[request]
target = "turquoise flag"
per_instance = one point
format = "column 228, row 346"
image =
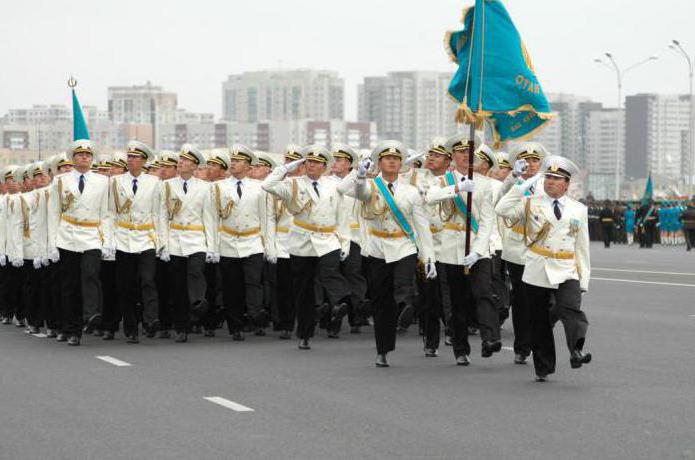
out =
column 648, row 191
column 79, row 124
column 495, row 80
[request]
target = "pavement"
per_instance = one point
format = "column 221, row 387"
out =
column 635, row 400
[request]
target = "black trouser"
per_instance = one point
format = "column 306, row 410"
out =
column 213, row 278
column 135, row 274
column 521, row 314
column 689, row 237
column 242, row 291
column 304, row 272
column 647, row 234
column 53, row 299
column 607, row 230
column 32, row 284
column 112, row 309
column 472, row 295
column 162, row 279
column 13, row 292
column 499, row 286
column 284, row 295
column 549, row 306
column 384, row 279
column 189, row 287
column 80, row 288
column 351, row 269
column 432, row 313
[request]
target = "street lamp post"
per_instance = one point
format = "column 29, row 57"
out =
column 620, row 75
column 676, row 46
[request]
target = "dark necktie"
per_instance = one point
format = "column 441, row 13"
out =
column 390, row 187
column 238, row 188
column 556, row 209
column 135, row 186
column 531, row 189
column 80, row 186
column 185, row 186
column 316, row 189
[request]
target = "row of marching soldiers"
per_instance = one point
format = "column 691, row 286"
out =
column 185, row 241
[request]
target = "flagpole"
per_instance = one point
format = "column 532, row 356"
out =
column 469, row 195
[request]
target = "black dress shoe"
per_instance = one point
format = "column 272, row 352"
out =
column 109, row 335
column 285, row 335
column 333, row 333
column 519, row 359
column 447, row 340
column 355, row 330
column 181, row 337
column 381, row 361
column 132, row 339
column 6, row 320
column 577, row 358
column 209, row 333
column 431, row 352
column 339, row 312
column 541, row 378
column 165, row 334
column 304, row 344
column 20, row 323
column 73, row 341
column 34, row 330
column 94, row 322
column 51, row 333
column 489, row 347
column 98, row 333
column 463, row 360
column 238, row 336
column 61, row 337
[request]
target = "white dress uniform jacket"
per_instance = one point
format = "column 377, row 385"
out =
column 34, row 214
column 77, row 221
column 385, row 238
column 319, row 223
column 558, row 250
column 14, row 246
column 454, row 222
column 187, row 221
column 246, row 225
column 137, row 224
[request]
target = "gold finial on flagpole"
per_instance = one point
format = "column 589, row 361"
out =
column 72, row 82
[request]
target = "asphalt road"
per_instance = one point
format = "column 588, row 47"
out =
column 635, row 400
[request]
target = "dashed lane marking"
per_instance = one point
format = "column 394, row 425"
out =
column 642, row 271
column 114, row 361
column 236, row 407
column 643, row 282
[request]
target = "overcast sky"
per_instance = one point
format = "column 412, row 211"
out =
column 191, row 46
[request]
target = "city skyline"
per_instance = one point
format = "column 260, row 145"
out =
column 366, row 39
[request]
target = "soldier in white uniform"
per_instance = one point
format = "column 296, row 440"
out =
column 319, row 237
column 80, row 232
column 557, row 267
column 243, row 215
column 4, row 318
column 135, row 203
column 526, row 159
column 469, row 275
column 189, row 238
column 13, row 247
column 398, row 230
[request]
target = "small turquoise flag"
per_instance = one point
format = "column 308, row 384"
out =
column 495, row 80
column 79, row 124
column 648, row 191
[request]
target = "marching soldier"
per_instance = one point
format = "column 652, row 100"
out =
column 607, row 223
column 243, row 216
column 499, row 269
column 398, row 229
column 188, row 238
column 135, row 204
column 318, row 240
column 13, row 247
column 79, row 234
column 557, row 265
column 469, row 275
column 3, row 257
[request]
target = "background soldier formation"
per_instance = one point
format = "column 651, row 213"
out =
column 187, row 242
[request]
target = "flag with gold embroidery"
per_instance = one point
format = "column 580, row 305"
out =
column 495, row 81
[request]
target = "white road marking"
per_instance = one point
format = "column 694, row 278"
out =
column 114, row 361
column 642, row 271
column 508, row 348
column 643, row 282
column 692, row 316
column 236, row 407
column 40, row 335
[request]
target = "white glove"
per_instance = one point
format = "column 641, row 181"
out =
column 215, row 258
column 45, row 261
column 18, row 263
column 414, row 158
column 209, row 257
column 467, row 185
column 520, row 167
column 54, row 255
column 344, row 255
column 108, row 253
column 363, row 168
column 292, row 166
column 430, row 271
column 530, row 182
column 271, row 259
column 164, row 255
column 3, row 260
column 37, row 263
column 471, row 259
